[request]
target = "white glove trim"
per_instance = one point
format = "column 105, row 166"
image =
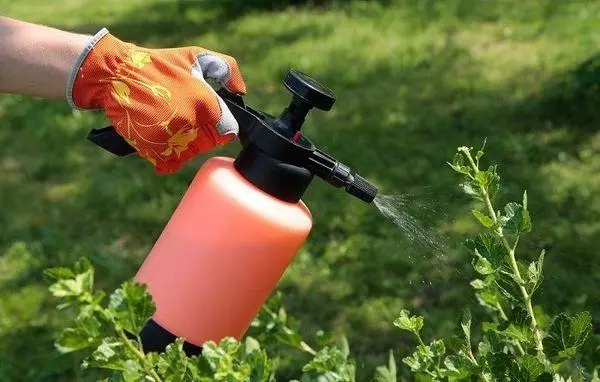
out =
column 75, row 69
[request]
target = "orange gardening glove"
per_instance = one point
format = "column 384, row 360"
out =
column 158, row 99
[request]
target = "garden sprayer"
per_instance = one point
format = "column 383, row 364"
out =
column 240, row 222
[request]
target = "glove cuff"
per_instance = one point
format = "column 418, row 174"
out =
column 96, row 63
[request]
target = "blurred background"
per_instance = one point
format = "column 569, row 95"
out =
column 414, row 80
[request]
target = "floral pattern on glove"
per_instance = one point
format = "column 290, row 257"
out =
column 156, row 100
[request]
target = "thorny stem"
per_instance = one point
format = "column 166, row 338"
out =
column 511, row 254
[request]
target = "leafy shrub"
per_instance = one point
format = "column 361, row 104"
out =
column 514, row 345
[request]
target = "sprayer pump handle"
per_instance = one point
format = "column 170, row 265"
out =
column 309, row 90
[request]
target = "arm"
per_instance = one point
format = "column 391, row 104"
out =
column 36, row 60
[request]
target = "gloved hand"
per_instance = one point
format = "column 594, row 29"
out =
column 158, row 99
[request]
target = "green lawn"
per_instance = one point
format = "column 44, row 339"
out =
column 414, row 80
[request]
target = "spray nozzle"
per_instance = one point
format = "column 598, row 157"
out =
column 339, row 175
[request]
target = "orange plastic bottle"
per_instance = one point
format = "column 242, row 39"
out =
column 239, row 224
column 220, row 255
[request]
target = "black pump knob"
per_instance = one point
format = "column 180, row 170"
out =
column 309, row 90
column 308, row 93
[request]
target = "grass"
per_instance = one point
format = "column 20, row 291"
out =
column 414, row 80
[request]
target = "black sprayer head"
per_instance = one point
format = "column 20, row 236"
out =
column 283, row 147
column 276, row 157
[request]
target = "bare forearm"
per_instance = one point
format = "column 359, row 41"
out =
column 36, row 60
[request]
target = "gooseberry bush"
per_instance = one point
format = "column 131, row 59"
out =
column 512, row 344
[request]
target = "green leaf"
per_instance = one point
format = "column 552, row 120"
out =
column 491, row 343
column 437, row 348
column 86, row 333
column 535, row 274
column 532, row 365
column 251, row 345
column 330, row 364
column 231, row 360
column 458, row 164
column 72, row 287
column 409, row 323
column 111, row 354
column 516, row 373
column 471, row 190
column 566, row 335
column 517, row 327
column 453, row 367
column 465, row 324
column 487, row 246
column 389, row 373
column 499, row 364
column 132, row 306
column 420, row 360
column 274, row 325
column 515, row 220
column 494, row 184
column 58, row 273
column 488, row 180
column 222, row 362
column 485, row 220
column 519, row 317
column 134, row 371
column 521, row 334
column 83, row 265
column 478, row 284
column 173, row 363
column 488, row 299
column 504, row 367
column 508, row 285
column 261, row 368
column 484, row 178
column 545, row 377
column 483, row 266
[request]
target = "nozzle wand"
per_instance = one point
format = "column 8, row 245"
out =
column 339, row 175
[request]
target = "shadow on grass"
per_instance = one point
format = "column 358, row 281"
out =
column 570, row 99
column 172, row 26
column 565, row 109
